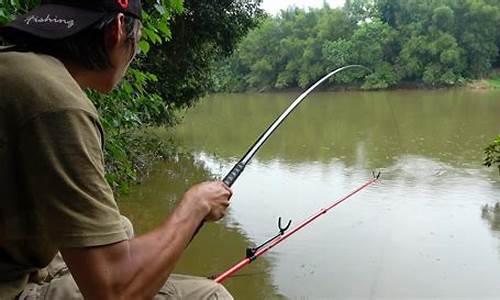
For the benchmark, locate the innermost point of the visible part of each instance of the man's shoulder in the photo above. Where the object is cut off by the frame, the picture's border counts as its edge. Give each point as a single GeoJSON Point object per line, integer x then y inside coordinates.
{"type": "Point", "coordinates": [33, 84]}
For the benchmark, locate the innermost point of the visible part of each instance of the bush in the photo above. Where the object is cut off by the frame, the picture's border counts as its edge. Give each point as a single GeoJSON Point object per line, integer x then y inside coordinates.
{"type": "Point", "coordinates": [493, 154]}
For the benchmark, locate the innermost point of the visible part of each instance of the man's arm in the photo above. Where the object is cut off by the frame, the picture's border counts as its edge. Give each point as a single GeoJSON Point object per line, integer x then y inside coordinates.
{"type": "Point", "coordinates": [138, 268]}
{"type": "Point", "coordinates": [62, 166]}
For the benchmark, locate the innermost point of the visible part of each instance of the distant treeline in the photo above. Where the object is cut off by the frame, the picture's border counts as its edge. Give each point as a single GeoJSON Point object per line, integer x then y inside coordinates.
{"type": "Point", "coordinates": [428, 42]}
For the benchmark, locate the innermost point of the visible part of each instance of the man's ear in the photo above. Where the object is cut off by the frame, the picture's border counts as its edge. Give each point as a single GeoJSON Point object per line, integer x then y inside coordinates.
{"type": "Point", "coordinates": [115, 34]}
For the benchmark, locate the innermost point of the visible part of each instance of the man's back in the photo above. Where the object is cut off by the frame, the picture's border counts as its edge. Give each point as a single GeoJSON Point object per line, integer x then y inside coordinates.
{"type": "Point", "coordinates": [48, 128]}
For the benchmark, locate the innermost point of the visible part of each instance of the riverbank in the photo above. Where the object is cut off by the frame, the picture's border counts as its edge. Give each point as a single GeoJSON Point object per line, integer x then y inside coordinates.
{"type": "Point", "coordinates": [130, 156]}
{"type": "Point", "coordinates": [487, 83]}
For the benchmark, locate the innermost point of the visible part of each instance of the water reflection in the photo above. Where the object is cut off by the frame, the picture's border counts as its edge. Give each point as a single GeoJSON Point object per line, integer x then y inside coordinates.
{"type": "Point", "coordinates": [492, 215]}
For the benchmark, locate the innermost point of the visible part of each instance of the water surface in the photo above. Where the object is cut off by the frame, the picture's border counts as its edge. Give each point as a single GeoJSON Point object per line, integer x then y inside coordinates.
{"type": "Point", "coordinates": [422, 232]}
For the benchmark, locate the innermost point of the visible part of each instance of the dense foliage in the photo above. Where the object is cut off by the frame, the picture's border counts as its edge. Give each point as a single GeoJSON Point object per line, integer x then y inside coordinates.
{"type": "Point", "coordinates": [206, 32]}
{"type": "Point", "coordinates": [433, 43]}
{"type": "Point", "coordinates": [181, 41]}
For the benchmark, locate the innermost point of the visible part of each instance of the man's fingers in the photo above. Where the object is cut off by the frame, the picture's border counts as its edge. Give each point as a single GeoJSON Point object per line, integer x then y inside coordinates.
{"type": "Point", "coordinates": [216, 216]}
{"type": "Point", "coordinates": [228, 189]}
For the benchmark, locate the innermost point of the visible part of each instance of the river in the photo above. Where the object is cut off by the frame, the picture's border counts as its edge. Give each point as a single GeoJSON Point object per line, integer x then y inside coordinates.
{"type": "Point", "coordinates": [422, 232]}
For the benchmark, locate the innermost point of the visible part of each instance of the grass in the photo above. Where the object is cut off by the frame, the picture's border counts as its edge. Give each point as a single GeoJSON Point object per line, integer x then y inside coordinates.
{"type": "Point", "coordinates": [494, 82]}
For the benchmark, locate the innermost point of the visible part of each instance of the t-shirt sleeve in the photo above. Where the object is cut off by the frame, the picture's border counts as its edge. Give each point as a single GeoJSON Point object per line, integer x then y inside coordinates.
{"type": "Point", "coordinates": [63, 172]}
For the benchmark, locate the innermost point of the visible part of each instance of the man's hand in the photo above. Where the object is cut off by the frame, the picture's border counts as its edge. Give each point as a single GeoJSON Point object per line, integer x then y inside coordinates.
{"type": "Point", "coordinates": [213, 196]}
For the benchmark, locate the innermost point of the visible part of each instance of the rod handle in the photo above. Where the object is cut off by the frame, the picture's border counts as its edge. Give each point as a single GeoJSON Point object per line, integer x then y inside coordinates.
{"type": "Point", "coordinates": [228, 180]}
{"type": "Point", "coordinates": [234, 174]}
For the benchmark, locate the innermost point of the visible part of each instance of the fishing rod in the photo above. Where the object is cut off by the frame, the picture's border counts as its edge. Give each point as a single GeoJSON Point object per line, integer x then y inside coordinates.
{"type": "Point", "coordinates": [238, 168]}
{"type": "Point", "coordinates": [253, 253]}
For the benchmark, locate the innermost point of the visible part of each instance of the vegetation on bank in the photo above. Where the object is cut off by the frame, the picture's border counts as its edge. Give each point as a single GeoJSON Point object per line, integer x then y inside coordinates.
{"type": "Point", "coordinates": [181, 41]}
{"type": "Point", "coordinates": [433, 43]}
{"type": "Point", "coordinates": [493, 154]}
{"type": "Point", "coordinates": [494, 82]}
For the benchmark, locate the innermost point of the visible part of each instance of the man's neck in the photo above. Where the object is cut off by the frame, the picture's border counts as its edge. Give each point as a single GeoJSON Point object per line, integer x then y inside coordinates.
{"type": "Point", "coordinates": [89, 79]}
{"type": "Point", "coordinates": [82, 76]}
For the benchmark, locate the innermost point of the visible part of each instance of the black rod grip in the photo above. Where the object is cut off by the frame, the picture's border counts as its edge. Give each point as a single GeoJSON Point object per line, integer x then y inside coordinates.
{"type": "Point", "coordinates": [228, 180]}
{"type": "Point", "coordinates": [234, 174]}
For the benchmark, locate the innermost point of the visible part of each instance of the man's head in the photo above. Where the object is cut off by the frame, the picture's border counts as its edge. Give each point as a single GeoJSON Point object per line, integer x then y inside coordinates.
{"type": "Point", "coordinates": [99, 36]}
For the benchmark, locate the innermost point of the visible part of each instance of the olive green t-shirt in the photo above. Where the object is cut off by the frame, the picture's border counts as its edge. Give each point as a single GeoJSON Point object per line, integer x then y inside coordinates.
{"type": "Point", "coordinates": [53, 193]}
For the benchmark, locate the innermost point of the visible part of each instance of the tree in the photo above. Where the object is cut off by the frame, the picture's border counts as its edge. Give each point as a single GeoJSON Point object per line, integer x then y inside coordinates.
{"type": "Point", "coordinates": [371, 46]}
{"type": "Point", "coordinates": [360, 10]}
{"type": "Point", "coordinates": [493, 154]}
{"type": "Point", "coordinates": [479, 32]}
{"type": "Point", "coordinates": [437, 43]}
{"type": "Point", "coordinates": [204, 33]}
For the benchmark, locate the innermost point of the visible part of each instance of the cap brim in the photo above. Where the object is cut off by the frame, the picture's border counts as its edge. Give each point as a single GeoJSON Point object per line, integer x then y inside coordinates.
{"type": "Point", "coordinates": [52, 21]}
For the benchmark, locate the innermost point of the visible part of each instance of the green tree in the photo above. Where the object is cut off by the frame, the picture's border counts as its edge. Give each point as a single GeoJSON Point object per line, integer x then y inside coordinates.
{"type": "Point", "coordinates": [287, 51]}
{"type": "Point", "coordinates": [438, 43]}
{"type": "Point", "coordinates": [478, 35]}
{"type": "Point", "coordinates": [370, 45]}
{"type": "Point", "coordinates": [262, 54]}
{"type": "Point", "coordinates": [206, 32]}
{"type": "Point", "coordinates": [360, 10]}
{"type": "Point", "coordinates": [493, 154]}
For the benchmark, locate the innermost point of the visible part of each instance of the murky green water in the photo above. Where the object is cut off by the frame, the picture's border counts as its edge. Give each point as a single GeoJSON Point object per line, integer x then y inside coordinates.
{"type": "Point", "coordinates": [419, 233]}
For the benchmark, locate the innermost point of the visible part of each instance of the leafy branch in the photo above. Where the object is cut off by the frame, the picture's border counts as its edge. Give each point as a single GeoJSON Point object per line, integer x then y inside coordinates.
{"type": "Point", "coordinates": [493, 154]}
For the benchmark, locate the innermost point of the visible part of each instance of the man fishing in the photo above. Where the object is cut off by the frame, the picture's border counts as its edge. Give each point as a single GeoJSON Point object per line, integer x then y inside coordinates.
{"type": "Point", "coordinates": [54, 196]}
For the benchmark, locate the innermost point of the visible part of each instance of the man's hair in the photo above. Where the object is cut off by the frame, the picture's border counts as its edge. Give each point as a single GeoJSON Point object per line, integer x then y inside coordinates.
{"type": "Point", "coordinates": [87, 48]}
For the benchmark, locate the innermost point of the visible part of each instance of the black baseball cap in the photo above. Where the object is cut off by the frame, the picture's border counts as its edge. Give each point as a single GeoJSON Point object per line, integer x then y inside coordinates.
{"type": "Point", "coordinates": [58, 19]}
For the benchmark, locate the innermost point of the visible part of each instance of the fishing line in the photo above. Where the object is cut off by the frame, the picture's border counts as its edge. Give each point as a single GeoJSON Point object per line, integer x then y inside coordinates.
{"type": "Point", "coordinates": [398, 131]}
{"type": "Point", "coordinates": [388, 234]}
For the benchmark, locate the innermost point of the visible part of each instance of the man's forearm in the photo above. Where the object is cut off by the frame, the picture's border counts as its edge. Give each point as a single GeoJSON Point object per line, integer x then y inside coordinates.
{"type": "Point", "coordinates": [135, 269]}
{"type": "Point", "coordinates": [153, 256]}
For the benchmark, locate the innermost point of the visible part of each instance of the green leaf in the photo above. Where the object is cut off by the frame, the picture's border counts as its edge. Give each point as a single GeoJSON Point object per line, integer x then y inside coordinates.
{"type": "Point", "coordinates": [163, 27]}
{"type": "Point", "coordinates": [127, 88]}
{"type": "Point", "coordinates": [144, 46]}
{"type": "Point", "coordinates": [177, 5]}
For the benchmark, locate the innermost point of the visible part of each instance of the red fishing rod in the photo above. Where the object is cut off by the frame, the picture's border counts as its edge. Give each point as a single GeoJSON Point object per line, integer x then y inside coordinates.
{"type": "Point", "coordinates": [253, 253]}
